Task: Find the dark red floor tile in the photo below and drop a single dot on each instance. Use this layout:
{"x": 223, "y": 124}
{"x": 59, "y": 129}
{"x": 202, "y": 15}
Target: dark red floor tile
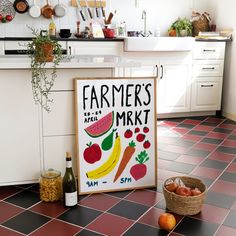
{"x": 193, "y": 122}
{"x": 195, "y": 227}
{"x": 8, "y": 232}
{"x": 224, "y": 187}
{"x": 190, "y": 137}
{"x": 225, "y": 231}
{"x": 219, "y": 156}
{"x": 230, "y": 219}
{"x": 217, "y": 135}
{"x": 176, "y": 149}
{"x": 175, "y": 234}
{"x": 215, "y": 120}
{"x": 145, "y": 197}
{"x": 109, "y": 224}
{"x": 206, "y": 172}
{"x": 227, "y": 126}
{"x": 120, "y": 194}
{"x": 6, "y": 191}
{"x": 203, "y": 128}
{"x": 181, "y": 131}
{"x": 58, "y": 228}
{"x": 151, "y": 217}
{"x": 7, "y": 211}
{"x": 205, "y": 146}
{"x": 52, "y": 209}
{"x": 229, "y": 143}
{"x": 189, "y": 159}
{"x": 100, "y": 202}
{"x": 208, "y": 213}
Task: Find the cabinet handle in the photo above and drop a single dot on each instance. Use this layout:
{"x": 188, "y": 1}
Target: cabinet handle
{"x": 209, "y": 50}
{"x": 207, "y": 86}
{"x": 157, "y": 72}
{"x": 208, "y": 68}
{"x": 161, "y": 72}
{"x": 69, "y": 50}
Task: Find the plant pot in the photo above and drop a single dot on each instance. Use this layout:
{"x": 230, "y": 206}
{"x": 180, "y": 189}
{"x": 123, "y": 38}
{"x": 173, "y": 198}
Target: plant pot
{"x": 44, "y": 53}
{"x": 183, "y": 33}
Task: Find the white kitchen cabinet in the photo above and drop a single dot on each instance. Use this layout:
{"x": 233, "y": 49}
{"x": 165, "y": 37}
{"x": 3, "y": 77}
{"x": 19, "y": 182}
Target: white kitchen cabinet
{"x": 206, "y": 94}
{"x": 19, "y": 129}
{"x": 207, "y": 76}
{"x": 173, "y": 89}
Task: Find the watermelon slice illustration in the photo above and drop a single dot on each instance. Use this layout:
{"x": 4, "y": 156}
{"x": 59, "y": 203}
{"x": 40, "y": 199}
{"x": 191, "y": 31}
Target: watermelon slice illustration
{"x": 101, "y": 126}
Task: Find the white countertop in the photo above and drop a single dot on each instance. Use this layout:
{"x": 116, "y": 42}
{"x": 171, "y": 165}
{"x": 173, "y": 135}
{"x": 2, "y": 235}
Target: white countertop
{"x": 73, "y": 62}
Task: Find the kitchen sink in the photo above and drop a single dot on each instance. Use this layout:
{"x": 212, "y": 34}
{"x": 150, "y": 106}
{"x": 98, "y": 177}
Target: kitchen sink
{"x": 133, "y": 44}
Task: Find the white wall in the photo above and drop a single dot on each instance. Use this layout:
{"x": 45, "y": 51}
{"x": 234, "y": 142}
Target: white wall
{"x": 159, "y": 13}
{"x": 223, "y": 14}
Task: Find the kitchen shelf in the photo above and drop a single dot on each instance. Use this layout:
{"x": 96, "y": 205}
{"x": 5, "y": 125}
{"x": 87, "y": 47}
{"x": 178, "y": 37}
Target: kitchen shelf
{"x": 90, "y": 3}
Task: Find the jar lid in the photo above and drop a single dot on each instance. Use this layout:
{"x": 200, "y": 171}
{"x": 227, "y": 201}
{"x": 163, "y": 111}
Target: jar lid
{"x": 50, "y": 173}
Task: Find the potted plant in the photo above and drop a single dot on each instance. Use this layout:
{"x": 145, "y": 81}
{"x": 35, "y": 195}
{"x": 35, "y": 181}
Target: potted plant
{"x": 183, "y": 27}
{"x": 43, "y": 49}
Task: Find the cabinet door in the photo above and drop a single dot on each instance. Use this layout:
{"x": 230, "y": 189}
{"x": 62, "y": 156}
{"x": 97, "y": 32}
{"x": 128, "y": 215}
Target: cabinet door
{"x": 19, "y": 129}
{"x": 206, "y": 95}
{"x": 173, "y": 89}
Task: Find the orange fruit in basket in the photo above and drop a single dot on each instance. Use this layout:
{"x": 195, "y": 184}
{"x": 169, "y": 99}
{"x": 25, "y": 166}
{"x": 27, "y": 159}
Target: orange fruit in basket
{"x": 167, "y": 221}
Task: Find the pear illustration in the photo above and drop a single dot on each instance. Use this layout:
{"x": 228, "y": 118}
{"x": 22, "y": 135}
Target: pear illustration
{"x": 108, "y": 141}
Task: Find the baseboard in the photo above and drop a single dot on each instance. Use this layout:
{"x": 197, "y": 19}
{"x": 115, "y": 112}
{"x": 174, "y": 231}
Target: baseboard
{"x": 229, "y": 116}
{"x": 186, "y": 114}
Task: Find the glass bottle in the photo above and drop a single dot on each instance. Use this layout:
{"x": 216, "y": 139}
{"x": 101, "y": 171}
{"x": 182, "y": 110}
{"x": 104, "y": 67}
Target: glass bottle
{"x": 70, "y": 194}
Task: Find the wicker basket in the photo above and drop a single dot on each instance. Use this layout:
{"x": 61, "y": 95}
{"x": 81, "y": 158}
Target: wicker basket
{"x": 182, "y": 205}
{"x": 200, "y": 25}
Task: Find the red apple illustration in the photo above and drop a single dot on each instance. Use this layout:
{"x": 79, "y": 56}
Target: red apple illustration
{"x": 92, "y": 153}
{"x": 128, "y": 133}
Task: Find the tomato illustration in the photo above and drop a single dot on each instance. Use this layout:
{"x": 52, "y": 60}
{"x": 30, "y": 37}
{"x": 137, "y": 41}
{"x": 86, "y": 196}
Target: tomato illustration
{"x": 128, "y": 133}
{"x": 92, "y": 153}
{"x": 145, "y": 129}
{"x": 140, "y": 137}
{"x": 136, "y": 130}
{"x": 146, "y": 144}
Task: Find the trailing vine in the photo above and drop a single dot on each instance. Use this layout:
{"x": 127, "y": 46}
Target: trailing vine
{"x": 43, "y": 77}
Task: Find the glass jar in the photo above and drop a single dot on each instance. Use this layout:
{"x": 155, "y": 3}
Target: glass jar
{"x": 50, "y": 185}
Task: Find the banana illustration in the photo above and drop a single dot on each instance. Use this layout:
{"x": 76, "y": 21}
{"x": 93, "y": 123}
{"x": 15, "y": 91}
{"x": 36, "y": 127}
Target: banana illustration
{"x": 110, "y": 164}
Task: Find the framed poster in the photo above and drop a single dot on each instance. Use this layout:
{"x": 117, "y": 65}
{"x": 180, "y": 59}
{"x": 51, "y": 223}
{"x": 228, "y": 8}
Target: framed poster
{"x": 115, "y": 133}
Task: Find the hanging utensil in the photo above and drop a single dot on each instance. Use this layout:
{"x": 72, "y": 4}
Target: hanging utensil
{"x": 47, "y": 11}
{"x": 80, "y": 11}
{"x": 21, "y": 6}
{"x": 60, "y": 9}
{"x": 102, "y": 9}
{"x": 34, "y": 10}
{"x": 96, "y": 8}
{"x": 88, "y": 9}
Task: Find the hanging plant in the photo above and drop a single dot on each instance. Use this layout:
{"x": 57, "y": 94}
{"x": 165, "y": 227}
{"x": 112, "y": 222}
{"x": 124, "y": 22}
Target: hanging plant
{"x": 42, "y": 49}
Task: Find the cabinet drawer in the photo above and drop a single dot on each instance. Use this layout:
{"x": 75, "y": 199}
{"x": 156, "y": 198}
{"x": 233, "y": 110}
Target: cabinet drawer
{"x": 208, "y": 68}
{"x": 209, "y": 50}
{"x": 206, "y": 96}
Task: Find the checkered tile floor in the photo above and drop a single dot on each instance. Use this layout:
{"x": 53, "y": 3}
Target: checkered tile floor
{"x": 204, "y": 147}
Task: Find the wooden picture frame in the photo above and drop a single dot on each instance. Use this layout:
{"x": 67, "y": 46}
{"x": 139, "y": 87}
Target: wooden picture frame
{"x": 116, "y": 133}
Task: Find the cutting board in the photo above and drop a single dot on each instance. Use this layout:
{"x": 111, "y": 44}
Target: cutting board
{"x": 90, "y": 3}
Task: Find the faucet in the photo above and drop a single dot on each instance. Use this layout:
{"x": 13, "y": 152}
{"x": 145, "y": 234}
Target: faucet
{"x": 144, "y": 32}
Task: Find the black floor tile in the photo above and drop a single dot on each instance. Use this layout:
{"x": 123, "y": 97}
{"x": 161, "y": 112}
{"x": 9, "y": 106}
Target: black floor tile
{"x": 197, "y": 152}
{"x": 141, "y": 229}
{"x": 120, "y": 194}
{"x": 128, "y": 209}
{"x": 80, "y": 215}
{"x": 227, "y": 176}
{"x": 205, "y": 123}
{"x": 197, "y": 118}
{"x": 220, "y": 199}
{"x": 24, "y": 199}
{"x": 187, "y": 126}
{"x": 211, "y": 140}
{"x": 232, "y": 137}
{"x": 214, "y": 164}
{"x": 198, "y": 133}
{"x": 221, "y": 130}
{"x": 230, "y": 219}
{"x": 178, "y": 120}
{"x": 85, "y": 232}
{"x": 231, "y": 122}
{"x": 183, "y": 143}
{"x": 170, "y": 156}
{"x": 180, "y": 167}
{"x": 193, "y": 227}
{"x": 26, "y": 222}
{"x": 229, "y": 150}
